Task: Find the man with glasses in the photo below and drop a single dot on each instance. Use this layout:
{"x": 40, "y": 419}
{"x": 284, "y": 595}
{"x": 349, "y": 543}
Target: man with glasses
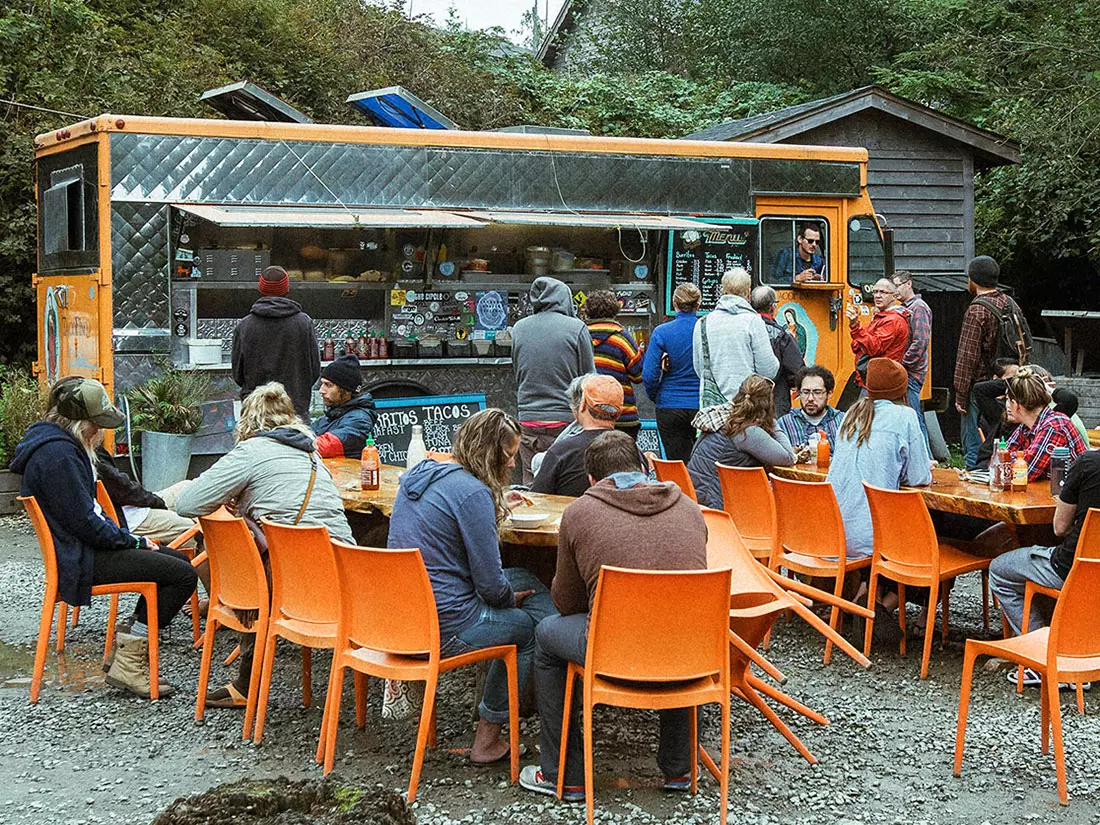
{"x": 815, "y": 385}
{"x": 804, "y": 261}
{"x": 887, "y": 336}
{"x": 915, "y": 359}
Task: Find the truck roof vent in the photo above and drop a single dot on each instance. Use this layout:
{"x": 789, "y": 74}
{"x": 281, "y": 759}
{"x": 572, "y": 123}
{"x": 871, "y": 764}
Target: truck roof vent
{"x": 247, "y": 101}
{"x": 397, "y": 106}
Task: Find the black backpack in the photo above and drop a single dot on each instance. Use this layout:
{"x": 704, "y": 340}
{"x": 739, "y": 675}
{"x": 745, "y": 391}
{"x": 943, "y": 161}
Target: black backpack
{"x": 1013, "y": 334}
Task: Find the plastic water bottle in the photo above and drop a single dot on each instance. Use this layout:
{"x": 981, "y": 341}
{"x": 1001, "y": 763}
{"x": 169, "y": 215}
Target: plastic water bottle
{"x": 815, "y": 444}
{"x": 1059, "y": 465}
{"x": 417, "y": 450}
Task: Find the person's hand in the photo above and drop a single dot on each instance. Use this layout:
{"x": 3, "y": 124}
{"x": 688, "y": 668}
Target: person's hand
{"x": 851, "y": 312}
{"x": 651, "y": 456}
{"x": 802, "y": 454}
{"x": 807, "y": 274}
{"x": 514, "y": 499}
{"x": 521, "y": 595}
{"x": 960, "y": 408}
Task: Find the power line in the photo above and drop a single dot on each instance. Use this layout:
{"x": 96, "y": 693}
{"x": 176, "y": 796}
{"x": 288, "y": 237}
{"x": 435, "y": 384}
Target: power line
{"x": 42, "y": 109}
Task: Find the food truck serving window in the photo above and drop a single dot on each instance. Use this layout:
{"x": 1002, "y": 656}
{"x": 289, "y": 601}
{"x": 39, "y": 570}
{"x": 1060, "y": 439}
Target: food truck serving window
{"x": 866, "y": 257}
{"x": 794, "y": 250}
{"x": 65, "y": 225}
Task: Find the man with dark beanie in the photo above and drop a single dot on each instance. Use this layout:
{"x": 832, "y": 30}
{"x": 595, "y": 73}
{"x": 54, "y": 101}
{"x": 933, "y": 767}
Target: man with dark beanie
{"x": 349, "y": 414}
{"x": 276, "y": 341}
{"x": 978, "y": 346}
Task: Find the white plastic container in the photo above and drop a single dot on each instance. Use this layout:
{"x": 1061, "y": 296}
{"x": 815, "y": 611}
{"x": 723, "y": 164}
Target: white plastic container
{"x": 204, "y": 350}
{"x": 417, "y": 450}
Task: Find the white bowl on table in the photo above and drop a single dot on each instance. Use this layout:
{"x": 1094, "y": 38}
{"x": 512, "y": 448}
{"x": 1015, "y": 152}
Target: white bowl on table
{"x": 528, "y": 521}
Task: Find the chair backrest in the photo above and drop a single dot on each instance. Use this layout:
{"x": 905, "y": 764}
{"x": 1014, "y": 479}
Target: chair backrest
{"x": 105, "y": 503}
{"x": 1073, "y": 629}
{"x": 676, "y": 472}
{"x": 386, "y": 600}
{"x": 237, "y": 576}
{"x": 659, "y": 625}
{"x": 747, "y": 496}
{"x": 902, "y": 528}
{"x": 444, "y": 457}
{"x": 303, "y": 571}
{"x": 1088, "y": 543}
{"x": 726, "y": 548}
{"x": 45, "y": 540}
{"x": 808, "y": 518}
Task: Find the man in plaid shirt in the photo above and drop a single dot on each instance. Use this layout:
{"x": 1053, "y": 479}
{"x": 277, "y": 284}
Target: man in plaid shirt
{"x": 915, "y": 359}
{"x": 815, "y": 385}
{"x": 977, "y": 348}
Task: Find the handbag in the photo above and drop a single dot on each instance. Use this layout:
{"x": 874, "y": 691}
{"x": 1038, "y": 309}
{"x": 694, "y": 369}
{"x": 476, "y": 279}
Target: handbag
{"x": 711, "y": 395}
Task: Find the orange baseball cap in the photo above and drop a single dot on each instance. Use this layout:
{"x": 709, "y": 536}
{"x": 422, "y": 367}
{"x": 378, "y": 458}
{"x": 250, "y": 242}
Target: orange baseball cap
{"x": 603, "y": 396}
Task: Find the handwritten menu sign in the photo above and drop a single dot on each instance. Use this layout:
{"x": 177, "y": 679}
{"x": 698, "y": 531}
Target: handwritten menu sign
{"x": 439, "y": 415}
{"x": 702, "y": 256}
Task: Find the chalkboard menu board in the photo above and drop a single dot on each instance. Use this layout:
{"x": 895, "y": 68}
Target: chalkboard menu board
{"x": 702, "y": 256}
{"x": 649, "y": 440}
{"x": 439, "y": 415}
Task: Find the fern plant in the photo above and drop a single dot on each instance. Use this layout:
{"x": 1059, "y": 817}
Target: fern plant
{"x": 170, "y": 402}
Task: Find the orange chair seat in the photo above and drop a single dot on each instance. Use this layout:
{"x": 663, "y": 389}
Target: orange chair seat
{"x": 814, "y": 566}
{"x": 315, "y": 635}
{"x": 1030, "y": 650}
{"x": 394, "y": 666}
{"x": 759, "y": 546}
{"x": 652, "y": 695}
{"x": 953, "y": 562}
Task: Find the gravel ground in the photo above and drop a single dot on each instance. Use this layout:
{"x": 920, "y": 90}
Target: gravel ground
{"x": 90, "y": 754}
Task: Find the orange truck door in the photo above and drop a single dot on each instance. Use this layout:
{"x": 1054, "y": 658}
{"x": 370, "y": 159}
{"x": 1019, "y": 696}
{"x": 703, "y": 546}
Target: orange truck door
{"x": 70, "y": 340}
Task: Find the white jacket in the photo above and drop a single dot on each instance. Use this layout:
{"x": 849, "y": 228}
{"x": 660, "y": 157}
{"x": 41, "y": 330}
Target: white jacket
{"x": 739, "y": 346}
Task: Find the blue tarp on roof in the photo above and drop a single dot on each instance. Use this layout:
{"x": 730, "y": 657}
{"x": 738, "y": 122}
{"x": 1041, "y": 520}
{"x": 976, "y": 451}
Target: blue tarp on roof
{"x": 396, "y": 106}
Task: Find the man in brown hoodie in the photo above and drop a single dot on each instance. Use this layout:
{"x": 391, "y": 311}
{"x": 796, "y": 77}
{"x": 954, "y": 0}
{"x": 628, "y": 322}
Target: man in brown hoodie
{"x": 621, "y": 521}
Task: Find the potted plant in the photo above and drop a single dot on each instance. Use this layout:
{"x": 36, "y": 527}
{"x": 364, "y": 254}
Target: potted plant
{"x": 167, "y": 411}
{"x": 22, "y": 402}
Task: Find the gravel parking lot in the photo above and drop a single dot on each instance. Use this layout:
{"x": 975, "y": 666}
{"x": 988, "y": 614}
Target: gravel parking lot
{"x": 88, "y": 753}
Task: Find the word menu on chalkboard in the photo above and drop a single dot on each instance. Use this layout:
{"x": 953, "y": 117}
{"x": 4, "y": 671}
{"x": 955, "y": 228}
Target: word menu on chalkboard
{"x": 439, "y": 415}
{"x": 702, "y": 256}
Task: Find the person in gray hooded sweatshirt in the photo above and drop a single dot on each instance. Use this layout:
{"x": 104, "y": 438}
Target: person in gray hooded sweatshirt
{"x": 549, "y": 349}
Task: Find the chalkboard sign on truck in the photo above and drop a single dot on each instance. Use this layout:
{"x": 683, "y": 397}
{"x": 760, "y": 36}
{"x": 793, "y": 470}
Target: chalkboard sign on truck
{"x": 439, "y": 415}
{"x": 702, "y": 256}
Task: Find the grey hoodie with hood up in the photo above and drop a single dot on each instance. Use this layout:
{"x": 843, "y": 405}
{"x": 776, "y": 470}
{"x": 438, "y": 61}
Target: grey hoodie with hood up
{"x": 549, "y": 350}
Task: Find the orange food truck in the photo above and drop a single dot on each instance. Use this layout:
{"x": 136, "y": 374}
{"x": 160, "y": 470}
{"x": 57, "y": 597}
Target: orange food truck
{"x": 416, "y": 248}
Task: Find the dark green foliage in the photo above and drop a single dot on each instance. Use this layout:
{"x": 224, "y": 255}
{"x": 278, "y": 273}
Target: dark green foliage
{"x": 22, "y": 402}
{"x": 170, "y": 402}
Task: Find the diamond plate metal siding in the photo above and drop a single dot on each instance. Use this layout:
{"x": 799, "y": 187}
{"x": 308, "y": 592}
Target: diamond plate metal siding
{"x": 139, "y": 258}
{"x": 805, "y": 177}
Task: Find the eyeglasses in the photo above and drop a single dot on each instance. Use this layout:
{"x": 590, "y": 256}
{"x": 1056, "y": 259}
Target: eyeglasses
{"x": 882, "y": 292}
{"x": 813, "y": 393}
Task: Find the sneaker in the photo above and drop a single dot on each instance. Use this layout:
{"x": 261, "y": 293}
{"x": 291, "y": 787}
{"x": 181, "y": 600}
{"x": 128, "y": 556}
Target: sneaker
{"x": 532, "y": 779}
{"x": 1032, "y": 679}
{"x": 675, "y": 784}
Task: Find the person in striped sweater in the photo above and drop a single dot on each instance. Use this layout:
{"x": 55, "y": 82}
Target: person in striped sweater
{"x": 616, "y": 354}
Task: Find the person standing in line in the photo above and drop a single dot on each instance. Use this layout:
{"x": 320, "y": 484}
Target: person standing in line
{"x": 616, "y": 354}
{"x": 549, "y": 349}
{"x": 276, "y": 341}
{"x": 731, "y": 343}
{"x": 915, "y": 359}
{"x": 786, "y": 349}
{"x": 669, "y": 374}
{"x": 887, "y": 336}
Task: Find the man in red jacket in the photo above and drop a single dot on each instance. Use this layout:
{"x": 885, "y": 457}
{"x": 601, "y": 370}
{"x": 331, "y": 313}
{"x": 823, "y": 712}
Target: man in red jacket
{"x": 887, "y": 336}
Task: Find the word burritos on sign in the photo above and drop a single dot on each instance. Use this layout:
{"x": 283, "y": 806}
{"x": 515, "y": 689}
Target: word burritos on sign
{"x": 439, "y": 415}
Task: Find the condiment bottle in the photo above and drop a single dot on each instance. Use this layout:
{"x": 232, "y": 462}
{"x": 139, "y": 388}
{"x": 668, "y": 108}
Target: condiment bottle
{"x": 351, "y": 345}
{"x": 822, "y": 449}
{"x": 370, "y": 466}
{"x": 373, "y": 345}
{"x": 814, "y": 443}
{"x": 364, "y": 345}
{"x": 383, "y": 347}
{"x": 329, "y": 352}
{"x": 1059, "y": 464}
{"x": 418, "y": 451}
{"x": 1019, "y": 474}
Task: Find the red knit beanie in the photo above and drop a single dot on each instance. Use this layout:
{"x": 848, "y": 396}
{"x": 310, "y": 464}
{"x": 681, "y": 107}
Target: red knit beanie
{"x": 274, "y": 281}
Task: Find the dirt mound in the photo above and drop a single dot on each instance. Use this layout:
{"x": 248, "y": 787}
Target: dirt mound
{"x": 282, "y": 802}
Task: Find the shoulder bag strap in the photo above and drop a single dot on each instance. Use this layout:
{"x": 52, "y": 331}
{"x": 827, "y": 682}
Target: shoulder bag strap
{"x": 309, "y": 489}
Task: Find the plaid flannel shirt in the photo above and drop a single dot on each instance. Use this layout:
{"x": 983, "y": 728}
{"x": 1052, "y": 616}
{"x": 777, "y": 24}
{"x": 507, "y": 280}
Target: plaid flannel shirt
{"x": 977, "y": 345}
{"x": 798, "y": 429}
{"x": 915, "y": 360}
{"x": 1052, "y": 429}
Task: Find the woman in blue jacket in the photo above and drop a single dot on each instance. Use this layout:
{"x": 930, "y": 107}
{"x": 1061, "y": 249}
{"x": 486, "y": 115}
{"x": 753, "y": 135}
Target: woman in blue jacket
{"x": 669, "y": 375}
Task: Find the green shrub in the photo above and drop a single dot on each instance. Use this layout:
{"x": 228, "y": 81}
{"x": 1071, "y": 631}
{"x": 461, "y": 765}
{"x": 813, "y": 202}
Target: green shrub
{"x": 22, "y": 402}
{"x": 170, "y": 402}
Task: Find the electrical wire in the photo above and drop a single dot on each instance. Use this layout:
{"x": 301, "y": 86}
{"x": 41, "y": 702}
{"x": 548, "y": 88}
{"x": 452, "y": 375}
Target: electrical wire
{"x": 320, "y": 180}
{"x": 43, "y": 109}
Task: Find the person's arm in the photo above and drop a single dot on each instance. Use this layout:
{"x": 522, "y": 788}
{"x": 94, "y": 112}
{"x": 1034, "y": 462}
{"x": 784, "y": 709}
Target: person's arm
{"x": 987, "y": 395}
{"x": 968, "y": 356}
{"x": 873, "y": 339}
{"x": 348, "y": 433}
{"x": 121, "y": 489}
{"x": 764, "y": 360}
{"x": 568, "y": 589}
{"x": 476, "y": 517}
{"x": 651, "y": 365}
{"x": 920, "y": 323}
{"x": 1065, "y": 506}
{"x": 546, "y": 481}
{"x": 315, "y": 362}
{"x": 1043, "y": 441}
{"x": 771, "y": 451}
{"x": 219, "y": 485}
{"x": 235, "y": 358}
{"x": 587, "y": 362}
{"x": 697, "y": 348}
{"x": 917, "y": 462}
{"x": 632, "y": 358}
{"x": 791, "y": 361}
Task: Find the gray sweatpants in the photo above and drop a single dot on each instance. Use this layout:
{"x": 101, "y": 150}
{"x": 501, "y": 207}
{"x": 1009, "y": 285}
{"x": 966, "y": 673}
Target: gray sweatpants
{"x": 1009, "y": 574}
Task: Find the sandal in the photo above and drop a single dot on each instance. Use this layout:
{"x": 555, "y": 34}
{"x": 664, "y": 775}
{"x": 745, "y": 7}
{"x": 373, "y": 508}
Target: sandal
{"x": 226, "y": 697}
{"x": 504, "y": 757}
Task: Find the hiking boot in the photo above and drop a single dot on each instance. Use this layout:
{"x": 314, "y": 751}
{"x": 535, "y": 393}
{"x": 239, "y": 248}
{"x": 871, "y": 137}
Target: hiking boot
{"x": 130, "y": 668}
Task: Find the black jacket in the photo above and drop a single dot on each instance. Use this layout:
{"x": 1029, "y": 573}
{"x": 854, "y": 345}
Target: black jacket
{"x": 790, "y": 358}
{"x": 57, "y": 472}
{"x": 276, "y": 341}
{"x": 123, "y": 490}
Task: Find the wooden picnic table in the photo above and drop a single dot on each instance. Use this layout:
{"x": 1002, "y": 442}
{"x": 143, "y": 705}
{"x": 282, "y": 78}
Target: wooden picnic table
{"x": 949, "y": 494}
{"x": 345, "y": 472}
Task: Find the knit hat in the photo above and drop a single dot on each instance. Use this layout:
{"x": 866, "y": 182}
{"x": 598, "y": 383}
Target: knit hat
{"x": 87, "y": 400}
{"x": 983, "y": 271}
{"x": 344, "y": 372}
{"x": 886, "y": 380}
{"x": 274, "y": 281}
{"x": 603, "y": 397}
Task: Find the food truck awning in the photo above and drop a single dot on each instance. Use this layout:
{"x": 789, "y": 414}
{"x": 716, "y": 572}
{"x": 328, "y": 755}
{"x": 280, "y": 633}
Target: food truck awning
{"x": 608, "y": 221}
{"x": 329, "y": 218}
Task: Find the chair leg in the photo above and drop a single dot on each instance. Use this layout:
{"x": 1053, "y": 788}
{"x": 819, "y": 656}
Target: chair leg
{"x": 964, "y": 705}
{"x": 360, "y": 687}
{"x": 204, "y": 667}
{"x": 76, "y": 616}
{"x": 872, "y": 597}
{"x": 815, "y": 621}
{"x": 724, "y": 779}
{"x": 566, "y": 717}
{"x": 929, "y": 628}
{"x": 1055, "y": 709}
{"x": 694, "y": 734}
{"x": 1081, "y": 698}
{"x": 834, "y": 618}
{"x": 945, "y": 606}
{"x": 232, "y": 657}
{"x": 254, "y": 679}
{"x": 330, "y": 692}
{"x": 62, "y": 621}
{"x": 1044, "y": 714}
{"x": 152, "y": 617}
{"x": 307, "y": 677}
{"x": 589, "y": 772}
{"x": 903, "y": 618}
{"x": 511, "y": 664}
{"x": 268, "y": 665}
{"x": 45, "y": 625}
{"x": 422, "y": 734}
{"x": 789, "y": 701}
{"x": 331, "y": 720}
{"x": 985, "y": 601}
{"x": 112, "y": 619}
{"x": 754, "y": 699}
{"x": 756, "y": 658}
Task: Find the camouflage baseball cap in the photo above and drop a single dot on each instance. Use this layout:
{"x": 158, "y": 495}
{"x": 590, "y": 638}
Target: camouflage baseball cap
{"x": 87, "y": 400}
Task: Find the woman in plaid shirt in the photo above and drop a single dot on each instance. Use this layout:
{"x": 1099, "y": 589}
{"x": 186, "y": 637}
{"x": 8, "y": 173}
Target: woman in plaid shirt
{"x": 1040, "y": 429}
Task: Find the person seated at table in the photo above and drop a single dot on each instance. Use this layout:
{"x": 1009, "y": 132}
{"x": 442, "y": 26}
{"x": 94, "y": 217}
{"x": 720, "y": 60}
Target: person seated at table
{"x": 273, "y": 472}
{"x": 815, "y": 386}
{"x": 1040, "y": 429}
{"x": 989, "y": 396}
{"x": 574, "y": 427}
{"x": 658, "y": 528}
{"x": 1063, "y": 400}
{"x": 562, "y": 470}
{"x": 741, "y": 433}
{"x": 349, "y": 414}
{"x": 452, "y": 513}
{"x": 57, "y": 461}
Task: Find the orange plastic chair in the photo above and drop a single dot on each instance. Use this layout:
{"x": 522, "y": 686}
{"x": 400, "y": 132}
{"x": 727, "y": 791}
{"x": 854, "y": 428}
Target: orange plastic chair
{"x": 810, "y": 538}
{"x": 304, "y": 605}
{"x": 1068, "y": 650}
{"x": 908, "y": 552}
{"x": 656, "y": 640}
{"x": 676, "y": 472}
{"x": 440, "y": 456}
{"x": 237, "y": 583}
{"x": 388, "y": 625}
{"x": 747, "y": 497}
{"x": 49, "y": 561}
{"x": 177, "y": 543}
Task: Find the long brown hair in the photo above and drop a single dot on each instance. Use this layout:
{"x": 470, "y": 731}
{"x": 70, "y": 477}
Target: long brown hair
{"x": 859, "y": 418}
{"x": 753, "y": 406}
{"x": 482, "y": 446}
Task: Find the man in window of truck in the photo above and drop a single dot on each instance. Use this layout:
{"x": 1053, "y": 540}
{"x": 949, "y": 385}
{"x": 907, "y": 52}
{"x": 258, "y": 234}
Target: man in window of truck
{"x": 802, "y": 262}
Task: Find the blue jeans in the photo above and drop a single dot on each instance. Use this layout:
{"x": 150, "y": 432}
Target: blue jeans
{"x": 971, "y": 441}
{"x": 914, "y": 402}
{"x": 505, "y": 626}
{"x": 1009, "y": 574}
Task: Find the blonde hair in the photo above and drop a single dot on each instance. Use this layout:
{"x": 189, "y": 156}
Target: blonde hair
{"x": 265, "y": 408}
{"x": 482, "y": 445}
{"x": 753, "y": 406}
{"x": 737, "y": 281}
{"x": 1028, "y": 389}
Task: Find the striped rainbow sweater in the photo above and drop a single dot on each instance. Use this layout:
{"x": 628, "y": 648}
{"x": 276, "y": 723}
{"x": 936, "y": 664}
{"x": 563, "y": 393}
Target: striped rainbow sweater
{"x": 617, "y": 355}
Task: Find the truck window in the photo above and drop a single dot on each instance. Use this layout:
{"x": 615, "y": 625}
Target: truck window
{"x": 866, "y": 258}
{"x": 794, "y": 250}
